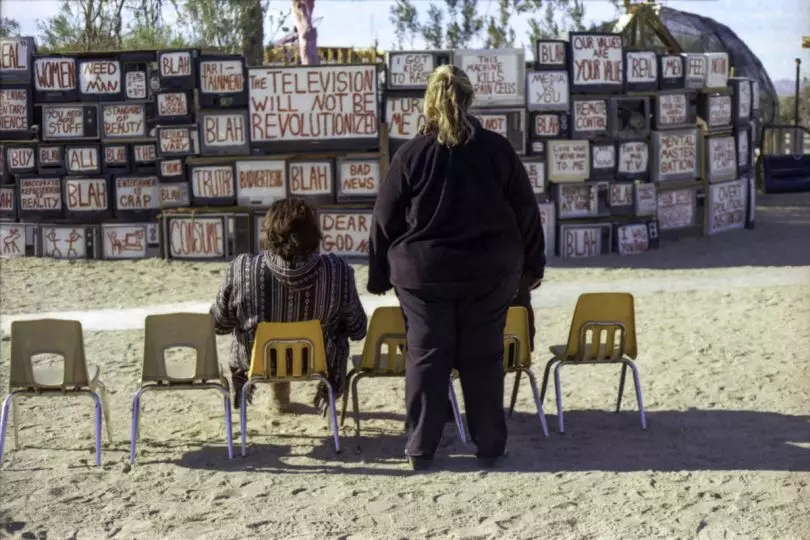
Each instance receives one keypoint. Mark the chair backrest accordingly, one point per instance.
(384, 349)
(603, 328)
(193, 330)
(47, 336)
(288, 350)
(517, 338)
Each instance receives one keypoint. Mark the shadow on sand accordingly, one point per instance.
(691, 440)
(782, 224)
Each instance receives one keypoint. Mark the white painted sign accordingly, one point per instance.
(86, 194)
(696, 68)
(137, 87)
(196, 238)
(548, 219)
(590, 116)
(411, 69)
(62, 122)
(633, 157)
(212, 182)
(676, 154)
(536, 169)
(642, 67)
(743, 148)
(137, 193)
(497, 75)
(720, 110)
(171, 168)
(14, 109)
(754, 96)
(547, 125)
(578, 201)
(568, 160)
(260, 183)
(55, 74)
(676, 209)
(673, 110)
(547, 91)
(360, 177)
(172, 104)
(721, 158)
(64, 242)
(123, 120)
(175, 64)
(580, 241)
(12, 240)
(311, 178)
(495, 122)
(671, 67)
(597, 60)
(621, 194)
(175, 140)
(82, 159)
(14, 54)
(345, 233)
(223, 129)
(49, 156)
(123, 241)
(144, 153)
(313, 103)
(550, 53)
(744, 97)
(97, 77)
(632, 239)
(646, 200)
(404, 116)
(717, 72)
(38, 194)
(174, 195)
(603, 156)
(222, 76)
(728, 203)
(20, 158)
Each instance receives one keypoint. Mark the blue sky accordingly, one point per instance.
(773, 33)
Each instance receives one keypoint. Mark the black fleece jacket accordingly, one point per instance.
(461, 215)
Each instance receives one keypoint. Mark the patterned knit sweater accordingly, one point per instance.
(265, 288)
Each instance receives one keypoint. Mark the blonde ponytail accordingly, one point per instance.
(448, 96)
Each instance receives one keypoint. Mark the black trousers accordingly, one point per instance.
(457, 327)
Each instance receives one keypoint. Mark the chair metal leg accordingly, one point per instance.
(243, 415)
(136, 413)
(558, 391)
(226, 396)
(514, 393)
(347, 391)
(333, 412)
(99, 420)
(15, 418)
(546, 373)
(356, 403)
(540, 412)
(105, 407)
(639, 396)
(7, 403)
(621, 387)
(456, 413)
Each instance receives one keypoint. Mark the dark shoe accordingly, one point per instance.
(420, 463)
(490, 462)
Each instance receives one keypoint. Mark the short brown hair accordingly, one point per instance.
(292, 229)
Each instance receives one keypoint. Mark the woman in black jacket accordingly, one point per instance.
(455, 230)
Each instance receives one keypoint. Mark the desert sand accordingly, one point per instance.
(724, 339)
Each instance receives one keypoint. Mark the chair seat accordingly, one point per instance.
(559, 353)
(51, 378)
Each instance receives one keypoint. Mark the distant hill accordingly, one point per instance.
(786, 87)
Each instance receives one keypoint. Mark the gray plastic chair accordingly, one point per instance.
(51, 336)
(193, 330)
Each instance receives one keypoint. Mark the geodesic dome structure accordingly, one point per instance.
(695, 33)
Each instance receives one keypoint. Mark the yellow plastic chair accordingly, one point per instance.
(51, 336)
(517, 358)
(603, 331)
(384, 356)
(163, 332)
(288, 352)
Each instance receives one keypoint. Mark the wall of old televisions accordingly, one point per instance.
(178, 153)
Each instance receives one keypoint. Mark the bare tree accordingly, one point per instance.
(307, 34)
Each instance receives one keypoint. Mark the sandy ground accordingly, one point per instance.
(724, 332)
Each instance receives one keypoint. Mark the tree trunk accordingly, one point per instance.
(307, 35)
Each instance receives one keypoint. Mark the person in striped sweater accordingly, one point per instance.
(290, 282)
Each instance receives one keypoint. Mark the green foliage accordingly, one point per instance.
(9, 27)
(787, 106)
